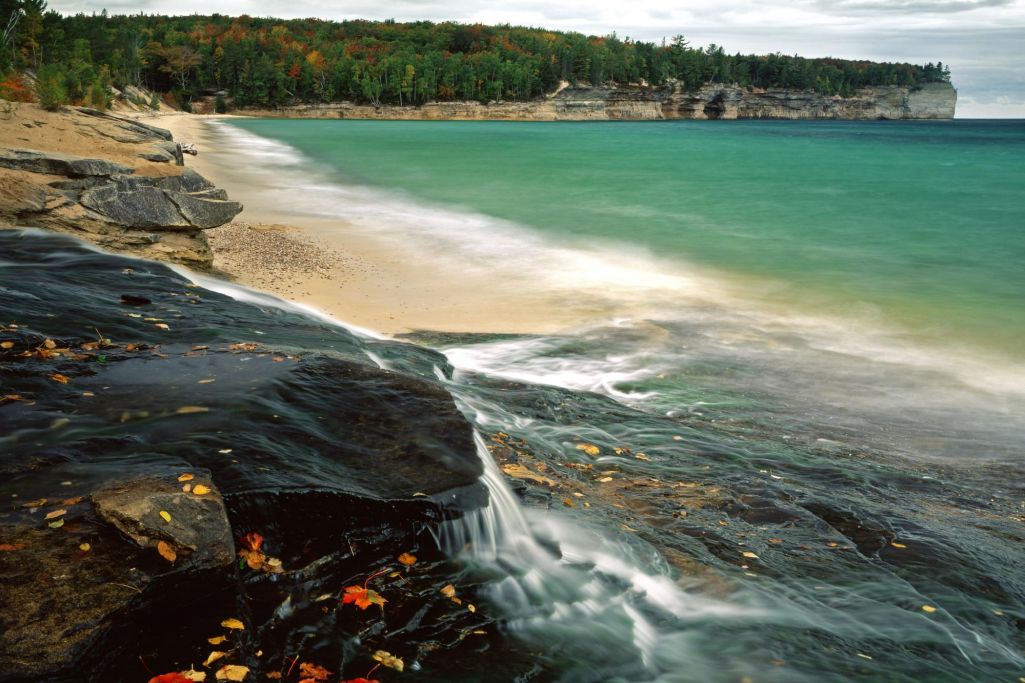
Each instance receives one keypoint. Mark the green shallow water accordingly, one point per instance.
(918, 225)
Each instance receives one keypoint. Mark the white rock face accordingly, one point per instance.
(634, 103)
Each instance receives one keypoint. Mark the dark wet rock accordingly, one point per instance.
(55, 163)
(198, 528)
(339, 464)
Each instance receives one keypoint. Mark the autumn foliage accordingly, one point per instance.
(14, 89)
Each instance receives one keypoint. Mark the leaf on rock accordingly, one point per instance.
(389, 660)
(232, 672)
(407, 559)
(171, 678)
(161, 326)
(34, 503)
(189, 410)
(449, 591)
(194, 675)
(166, 551)
(213, 657)
(200, 490)
(233, 624)
(57, 377)
(56, 525)
(217, 640)
(7, 345)
(166, 516)
(361, 680)
(362, 596)
(55, 513)
(928, 608)
(11, 547)
(313, 672)
(589, 448)
(750, 555)
(85, 547)
(252, 541)
(185, 477)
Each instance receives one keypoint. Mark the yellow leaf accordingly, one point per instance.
(166, 516)
(470, 607)
(185, 477)
(193, 675)
(605, 480)
(750, 554)
(217, 641)
(389, 660)
(187, 488)
(55, 513)
(57, 377)
(449, 591)
(7, 345)
(407, 559)
(213, 657)
(166, 551)
(928, 608)
(233, 624)
(161, 326)
(642, 456)
(189, 410)
(897, 545)
(232, 672)
(589, 448)
(85, 547)
(200, 490)
(206, 381)
(56, 525)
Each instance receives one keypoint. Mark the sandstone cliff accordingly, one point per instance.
(712, 101)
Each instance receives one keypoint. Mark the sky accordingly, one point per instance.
(983, 41)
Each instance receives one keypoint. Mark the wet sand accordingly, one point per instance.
(353, 275)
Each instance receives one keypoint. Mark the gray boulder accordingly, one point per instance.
(55, 163)
(160, 203)
(131, 125)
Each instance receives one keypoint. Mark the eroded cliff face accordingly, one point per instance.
(712, 101)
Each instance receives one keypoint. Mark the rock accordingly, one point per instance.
(142, 202)
(55, 163)
(198, 529)
(165, 152)
(130, 124)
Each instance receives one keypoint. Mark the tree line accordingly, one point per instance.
(271, 62)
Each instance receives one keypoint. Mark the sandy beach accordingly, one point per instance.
(343, 270)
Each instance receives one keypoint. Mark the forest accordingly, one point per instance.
(261, 62)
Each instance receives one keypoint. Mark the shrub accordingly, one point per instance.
(220, 106)
(13, 88)
(99, 95)
(50, 88)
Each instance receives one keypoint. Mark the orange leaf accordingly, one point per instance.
(166, 551)
(57, 377)
(407, 559)
(252, 540)
(362, 596)
(170, 678)
(8, 547)
(313, 672)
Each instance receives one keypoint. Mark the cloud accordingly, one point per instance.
(908, 6)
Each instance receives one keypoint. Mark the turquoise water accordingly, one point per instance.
(919, 224)
(810, 330)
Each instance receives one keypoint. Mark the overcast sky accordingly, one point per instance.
(983, 41)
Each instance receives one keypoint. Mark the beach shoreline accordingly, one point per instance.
(349, 273)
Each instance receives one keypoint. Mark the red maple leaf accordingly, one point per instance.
(252, 540)
(170, 678)
(362, 596)
(361, 680)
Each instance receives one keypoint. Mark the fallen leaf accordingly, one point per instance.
(166, 551)
(34, 503)
(55, 513)
(928, 608)
(470, 607)
(10, 547)
(185, 477)
(254, 558)
(224, 451)
(85, 547)
(166, 516)
(605, 480)
(6, 345)
(389, 660)
(56, 525)
(72, 501)
(232, 672)
(313, 672)
(161, 326)
(88, 394)
(189, 410)
(407, 559)
(449, 591)
(193, 675)
(170, 678)
(200, 489)
(749, 554)
(374, 680)
(589, 448)
(274, 675)
(187, 488)
(252, 540)
(233, 624)
(213, 657)
(206, 381)
(57, 377)
(362, 596)
(897, 545)
(217, 640)
(568, 502)
(642, 456)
